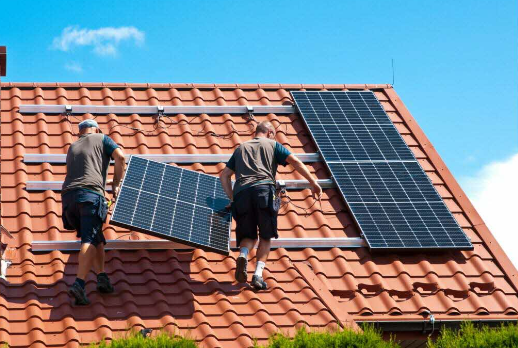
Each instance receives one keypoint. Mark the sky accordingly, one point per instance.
(455, 63)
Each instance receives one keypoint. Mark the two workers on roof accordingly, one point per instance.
(253, 199)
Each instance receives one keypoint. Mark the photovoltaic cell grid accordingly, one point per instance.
(351, 126)
(387, 191)
(174, 203)
(396, 205)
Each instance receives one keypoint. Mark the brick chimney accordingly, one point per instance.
(3, 60)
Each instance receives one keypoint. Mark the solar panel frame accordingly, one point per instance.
(188, 207)
(463, 242)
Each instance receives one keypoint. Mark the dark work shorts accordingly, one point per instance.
(252, 208)
(85, 212)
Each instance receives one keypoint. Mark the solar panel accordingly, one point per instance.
(390, 196)
(351, 126)
(175, 204)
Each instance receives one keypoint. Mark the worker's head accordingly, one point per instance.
(89, 126)
(265, 129)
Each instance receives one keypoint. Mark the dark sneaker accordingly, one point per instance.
(103, 284)
(79, 294)
(241, 264)
(258, 283)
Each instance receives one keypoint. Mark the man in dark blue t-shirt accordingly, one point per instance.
(253, 197)
(84, 205)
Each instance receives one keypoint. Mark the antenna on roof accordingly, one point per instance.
(393, 72)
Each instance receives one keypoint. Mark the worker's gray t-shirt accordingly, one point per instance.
(255, 162)
(87, 163)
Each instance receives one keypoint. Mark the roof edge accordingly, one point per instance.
(192, 85)
(452, 184)
(321, 290)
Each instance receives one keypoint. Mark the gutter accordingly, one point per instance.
(429, 325)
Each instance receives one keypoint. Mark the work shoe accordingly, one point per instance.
(258, 283)
(241, 264)
(103, 284)
(79, 294)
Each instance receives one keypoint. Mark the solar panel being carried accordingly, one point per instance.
(175, 204)
(390, 196)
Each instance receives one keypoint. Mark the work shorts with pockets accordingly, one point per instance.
(85, 212)
(252, 208)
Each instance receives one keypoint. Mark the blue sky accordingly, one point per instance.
(456, 62)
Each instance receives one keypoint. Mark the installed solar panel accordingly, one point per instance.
(174, 203)
(383, 182)
(390, 196)
(351, 126)
(410, 225)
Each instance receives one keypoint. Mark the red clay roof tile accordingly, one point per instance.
(194, 291)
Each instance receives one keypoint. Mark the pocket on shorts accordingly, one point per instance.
(263, 199)
(102, 209)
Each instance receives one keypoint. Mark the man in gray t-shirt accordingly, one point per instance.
(253, 197)
(84, 205)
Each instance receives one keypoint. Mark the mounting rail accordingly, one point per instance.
(290, 185)
(155, 110)
(118, 244)
(166, 158)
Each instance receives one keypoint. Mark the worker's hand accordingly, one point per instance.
(317, 190)
(116, 190)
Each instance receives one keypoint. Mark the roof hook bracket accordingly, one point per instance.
(281, 186)
(68, 110)
(250, 113)
(160, 110)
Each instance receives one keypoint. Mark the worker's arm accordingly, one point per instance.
(120, 165)
(226, 181)
(303, 170)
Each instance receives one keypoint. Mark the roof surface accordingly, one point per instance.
(193, 291)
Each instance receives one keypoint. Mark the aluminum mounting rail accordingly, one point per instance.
(167, 158)
(155, 110)
(289, 184)
(118, 244)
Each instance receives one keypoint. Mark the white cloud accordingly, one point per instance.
(103, 40)
(494, 193)
(74, 67)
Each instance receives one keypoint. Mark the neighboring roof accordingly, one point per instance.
(193, 291)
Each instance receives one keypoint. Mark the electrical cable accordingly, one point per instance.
(286, 201)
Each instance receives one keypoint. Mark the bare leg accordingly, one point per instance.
(262, 255)
(247, 243)
(86, 257)
(242, 260)
(263, 250)
(99, 259)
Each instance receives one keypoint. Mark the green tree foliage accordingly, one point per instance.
(470, 336)
(369, 338)
(136, 340)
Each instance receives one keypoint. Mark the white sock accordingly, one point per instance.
(259, 269)
(244, 252)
